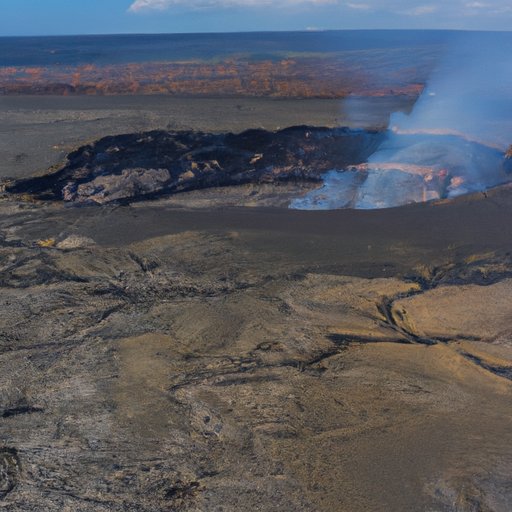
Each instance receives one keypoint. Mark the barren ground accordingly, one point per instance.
(163, 357)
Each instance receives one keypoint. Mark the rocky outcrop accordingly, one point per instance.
(9, 469)
(136, 166)
(130, 183)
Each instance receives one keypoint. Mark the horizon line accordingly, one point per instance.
(304, 30)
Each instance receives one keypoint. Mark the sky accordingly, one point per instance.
(59, 17)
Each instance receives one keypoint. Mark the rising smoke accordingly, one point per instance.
(452, 143)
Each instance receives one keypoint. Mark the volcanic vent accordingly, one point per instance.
(376, 169)
(412, 168)
(454, 141)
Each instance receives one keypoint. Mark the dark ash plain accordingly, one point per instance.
(184, 354)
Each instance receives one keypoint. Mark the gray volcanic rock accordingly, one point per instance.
(9, 468)
(135, 166)
(130, 183)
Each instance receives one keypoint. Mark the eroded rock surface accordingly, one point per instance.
(251, 368)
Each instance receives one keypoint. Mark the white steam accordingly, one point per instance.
(452, 143)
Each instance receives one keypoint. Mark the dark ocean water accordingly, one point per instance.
(118, 49)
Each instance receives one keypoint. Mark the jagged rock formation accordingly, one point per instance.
(131, 167)
(136, 166)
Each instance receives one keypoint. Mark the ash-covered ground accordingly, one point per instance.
(156, 356)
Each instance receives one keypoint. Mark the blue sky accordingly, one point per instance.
(46, 17)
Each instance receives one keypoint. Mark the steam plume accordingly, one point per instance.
(453, 142)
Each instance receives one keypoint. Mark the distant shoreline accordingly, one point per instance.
(234, 32)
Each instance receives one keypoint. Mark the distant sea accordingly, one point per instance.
(139, 48)
(322, 64)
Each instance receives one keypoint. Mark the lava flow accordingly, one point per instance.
(454, 142)
(411, 169)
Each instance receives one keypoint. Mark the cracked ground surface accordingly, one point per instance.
(238, 359)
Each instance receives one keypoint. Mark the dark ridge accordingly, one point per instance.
(17, 411)
(181, 491)
(500, 371)
(243, 380)
(385, 308)
(242, 371)
(136, 166)
(481, 272)
(343, 340)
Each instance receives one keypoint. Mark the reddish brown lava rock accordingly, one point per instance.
(287, 78)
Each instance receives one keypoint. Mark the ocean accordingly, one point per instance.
(138, 48)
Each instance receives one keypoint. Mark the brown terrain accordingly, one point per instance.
(312, 77)
(163, 359)
(181, 354)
